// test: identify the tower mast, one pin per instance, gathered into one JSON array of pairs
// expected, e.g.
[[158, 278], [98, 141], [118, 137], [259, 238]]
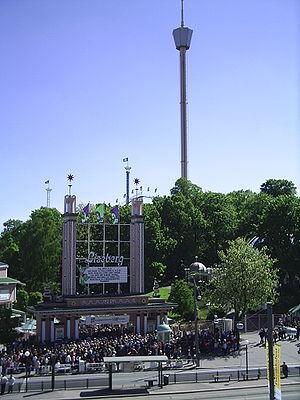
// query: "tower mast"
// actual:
[[127, 169], [48, 190], [182, 37]]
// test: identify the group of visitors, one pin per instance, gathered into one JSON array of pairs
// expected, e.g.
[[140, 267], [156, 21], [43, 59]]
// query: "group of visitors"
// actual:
[[95, 344], [281, 332], [7, 381]]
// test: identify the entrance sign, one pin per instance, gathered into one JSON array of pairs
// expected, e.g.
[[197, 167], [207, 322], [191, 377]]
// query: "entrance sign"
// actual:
[[96, 275], [93, 258], [108, 320]]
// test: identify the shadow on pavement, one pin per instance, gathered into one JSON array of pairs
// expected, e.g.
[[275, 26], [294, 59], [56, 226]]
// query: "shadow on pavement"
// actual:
[[114, 392]]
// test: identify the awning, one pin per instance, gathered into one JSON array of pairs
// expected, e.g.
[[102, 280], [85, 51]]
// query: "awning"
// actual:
[[294, 309]]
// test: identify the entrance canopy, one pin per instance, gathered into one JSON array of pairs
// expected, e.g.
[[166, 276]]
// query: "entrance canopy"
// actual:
[[127, 359]]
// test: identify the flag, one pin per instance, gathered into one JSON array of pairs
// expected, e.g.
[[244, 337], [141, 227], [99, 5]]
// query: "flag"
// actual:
[[86, 213], [47, 181], [100, 212], [125, 159], [115, 215]]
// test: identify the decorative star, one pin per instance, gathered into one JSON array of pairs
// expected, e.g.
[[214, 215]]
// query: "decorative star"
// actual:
[[136, 181], [70, 177]]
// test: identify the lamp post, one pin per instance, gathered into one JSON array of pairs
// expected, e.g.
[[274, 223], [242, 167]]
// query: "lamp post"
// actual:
[[196, 323], [52, 371], [27, 354], [247, 368]]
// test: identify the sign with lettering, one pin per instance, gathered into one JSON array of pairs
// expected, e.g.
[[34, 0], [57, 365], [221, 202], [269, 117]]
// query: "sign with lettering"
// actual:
[[93, 258], [96, 275], [277, 372], [107, 320]]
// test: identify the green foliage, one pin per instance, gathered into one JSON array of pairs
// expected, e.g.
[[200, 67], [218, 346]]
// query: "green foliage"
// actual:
[[7, 326], [178, 227], [278, 187], [34, 298], [182, 294], [244, 280], [22, 299], [164, 292]]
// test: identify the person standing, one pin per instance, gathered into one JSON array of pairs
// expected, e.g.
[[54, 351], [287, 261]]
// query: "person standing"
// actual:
[[3, 383], [285, 370], [11, 382]]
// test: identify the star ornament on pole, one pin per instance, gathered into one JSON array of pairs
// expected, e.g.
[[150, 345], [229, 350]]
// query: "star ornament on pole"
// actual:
[[70, 178]]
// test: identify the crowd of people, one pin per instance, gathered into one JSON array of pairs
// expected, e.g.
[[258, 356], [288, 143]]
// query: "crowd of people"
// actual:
[[96, 343]]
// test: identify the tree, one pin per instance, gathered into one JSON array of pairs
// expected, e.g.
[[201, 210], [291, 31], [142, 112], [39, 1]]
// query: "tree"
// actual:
[[277, 187], [22, 299], [41, 250], [35, 298], [244, 280], [7, 326], [182, 294]]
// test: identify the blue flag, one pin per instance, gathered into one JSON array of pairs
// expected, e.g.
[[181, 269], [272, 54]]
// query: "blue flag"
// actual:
[[86, 213]]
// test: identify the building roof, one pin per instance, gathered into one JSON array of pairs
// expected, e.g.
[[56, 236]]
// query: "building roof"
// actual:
[[10, 281], [294, 309]]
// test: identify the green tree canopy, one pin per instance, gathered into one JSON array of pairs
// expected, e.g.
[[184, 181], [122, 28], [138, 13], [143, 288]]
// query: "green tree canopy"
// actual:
[[182, 294], [277, 187], [7, 326], [244, 280]]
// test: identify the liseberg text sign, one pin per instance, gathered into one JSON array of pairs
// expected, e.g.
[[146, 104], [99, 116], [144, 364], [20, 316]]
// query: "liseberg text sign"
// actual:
[[106, 274]]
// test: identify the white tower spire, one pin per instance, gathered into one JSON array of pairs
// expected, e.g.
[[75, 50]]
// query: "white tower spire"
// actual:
[[182, 37]]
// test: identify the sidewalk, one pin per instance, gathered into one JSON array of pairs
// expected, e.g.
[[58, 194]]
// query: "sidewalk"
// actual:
[[156, 391]]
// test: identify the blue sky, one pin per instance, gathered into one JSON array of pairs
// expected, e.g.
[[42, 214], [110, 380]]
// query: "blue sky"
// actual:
[[85, 83]]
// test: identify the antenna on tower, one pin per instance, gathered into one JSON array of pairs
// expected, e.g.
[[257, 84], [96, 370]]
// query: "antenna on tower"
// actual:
[[70, 178], [48, 190], [127, 169], [182, 21]]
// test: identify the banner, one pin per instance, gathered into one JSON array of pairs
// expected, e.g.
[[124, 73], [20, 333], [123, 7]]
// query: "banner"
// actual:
[[100, 212], [115, 215], [277, 372], [86, 213]]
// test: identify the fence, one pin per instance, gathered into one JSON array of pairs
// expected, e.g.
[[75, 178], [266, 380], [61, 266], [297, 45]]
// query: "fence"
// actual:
[[61, 384], [233, 374], [212, 375]]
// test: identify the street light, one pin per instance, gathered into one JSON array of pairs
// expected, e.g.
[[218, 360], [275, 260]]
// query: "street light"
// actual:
[[247, 369], [27, 354], [196, 323]]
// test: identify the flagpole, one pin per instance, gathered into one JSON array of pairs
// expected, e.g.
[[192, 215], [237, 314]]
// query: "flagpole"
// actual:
[[88, 250], [119, 238], [103, 284]]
